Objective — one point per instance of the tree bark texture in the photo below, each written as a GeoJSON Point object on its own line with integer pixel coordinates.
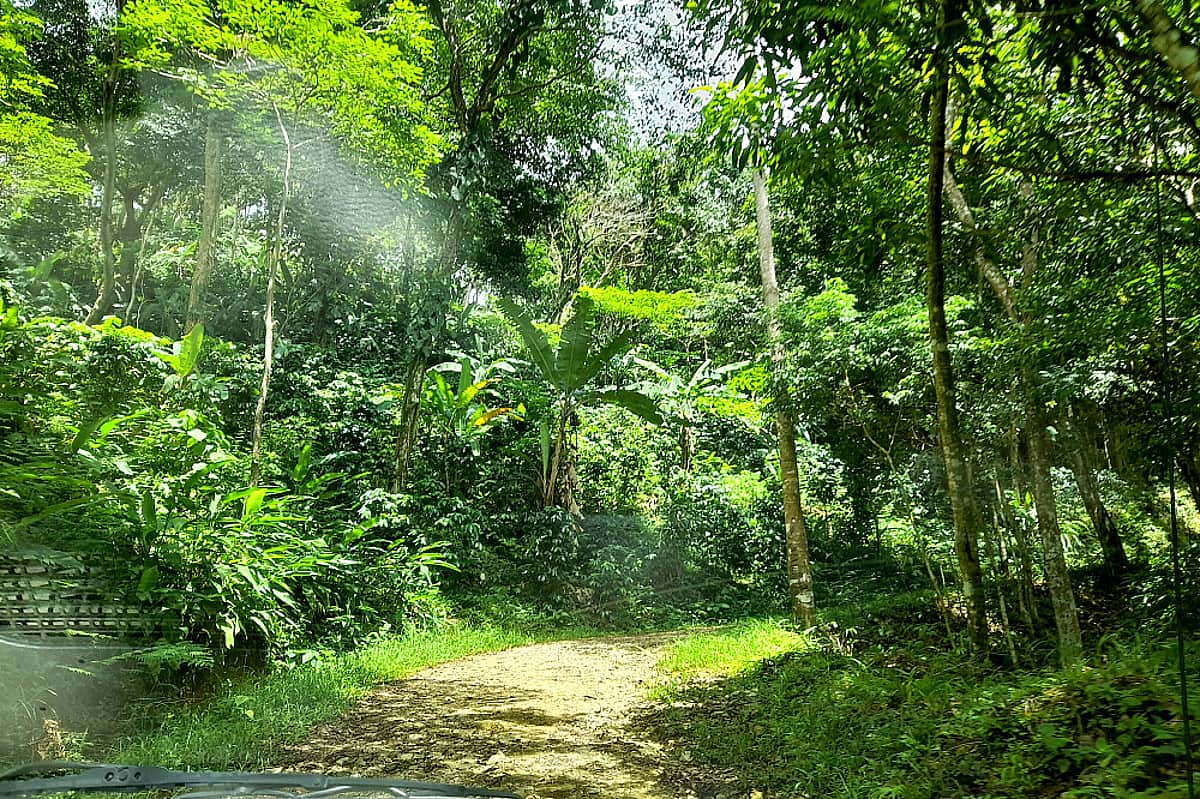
{"type": "Point", "coordinates": [209, 221]}
{"type": "Point", "coordinates": [414, 383]}
{"type": "Point", "coordinates": [410, 411]}
{"type": "Point", "coordinates": [800, 585]}
{"type": "Point", "coordinates": [962, 499]}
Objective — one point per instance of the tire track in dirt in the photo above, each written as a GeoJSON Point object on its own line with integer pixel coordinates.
{"type": "Point", "coordinates": [549, 721]}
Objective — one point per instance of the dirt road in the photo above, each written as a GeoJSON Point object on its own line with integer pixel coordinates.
{"type": "Point", "coordinates": [547, 720]}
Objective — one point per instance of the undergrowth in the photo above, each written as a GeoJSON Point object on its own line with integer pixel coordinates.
{"type": "Point", "coordinates": [890, 711]}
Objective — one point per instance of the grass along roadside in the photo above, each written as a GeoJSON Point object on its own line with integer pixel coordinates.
{"type": "Point", "coordinates": [724, 652]}
{"type": "Point", "coordinates": [898, 715]}
{"type": "Point", "coordinates": [245, 724]}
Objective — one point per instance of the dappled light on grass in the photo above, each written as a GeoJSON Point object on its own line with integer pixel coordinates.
{"type": "Point", "coordinates": [902, 719]}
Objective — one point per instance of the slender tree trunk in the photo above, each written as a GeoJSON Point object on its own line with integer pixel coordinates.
{"type": "Point", "coordinates": [1002, 577]}
{"type": "Point", "coordinates": [274, 258]}
{"type": "Point", "coordinates": [962, 498]}
{"type": "Point", "coordinates": [1066, 618]}
{"type": "Point", "coordinates": [1083, 465]}
{"type": "Point", "coordinates": [1054, 564]}
{"type": "Point", "coordinates": [108, 278]}
{"type": "Point", "coordinates": [410, 412]}
{"type": "Point", "coordinates": [129, 241]}
{"type": "Point", "coordinates": [209, 221]}
{"type": "Point", "coordinates": [556, 488]}
{"type": "Point", "coordinates": [414, 384]}
{"type": "Point", "coordinates": [800, 585]}
{"type": "Point", "coordinates": [685, 447]}
{"type": "Point", "coordinates": [136, 275]}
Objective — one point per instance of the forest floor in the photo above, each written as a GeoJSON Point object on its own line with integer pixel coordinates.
{"type": "Point", "coordinates": [545, 720]}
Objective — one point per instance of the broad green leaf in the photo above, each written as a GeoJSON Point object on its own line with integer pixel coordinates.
{"type": "Point", "coordinates": [84, 434]}
{"type": "Point", "coordinates": [465, 375]}
{"type": "Point", "coordinates": [148, 512]}
{"type": "Point", "coordinates": [572, 355]}
{"type": "Point", "coordinates": [189, 350]}
{"type": "Point", "coordinates": [148, 581]}
{"type": "Point", "coordinates": [253, 503]}
{"type": "Point", "coordinates": [617, 346]}
{"type": "Point", "coordinates": [302, 463]}
{"type": "Point", "coordinates": [633, 401]}
{"type": "Point", "coordinates": [535, 340]}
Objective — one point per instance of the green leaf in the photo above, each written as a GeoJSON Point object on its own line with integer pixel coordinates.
{"type": "Point", "coordinates": [301, 469]}
{"type": "Point", "coordinates": [252, 503]}
{"type": "Point", "coordinates": [535, 340]}
{"type": "Point", "coordinates": [148, 512]}
{"type": "Point", "coordinates": [572, 355]}
{"type": "Point", "coordinates": [619, 345]}
{"type": "Point", "coordinates": [147, 582]}
{"type": "Point", "coordinates": [633, 401]}
{"type": "Point", "coordinates": [189, 350]}
{"type": "Point", "coordinates": [84, 434]}
{"type": "Point", "coordinates": [465, 375]}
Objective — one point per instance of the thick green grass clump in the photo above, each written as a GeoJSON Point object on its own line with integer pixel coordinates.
{"type": "Point", "coordinates": [729, 650]}
{"type": "Point", "coordinates": [247, 723]}
{"type": "Point", "coordinates": [913, 720]}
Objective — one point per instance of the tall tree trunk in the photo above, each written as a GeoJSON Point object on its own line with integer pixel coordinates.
{"type": "Point", "coordinates": [129, 239]}
{"type": "Point", "coordinates": [209, 221]}
{"type": "Point", "coordinates": [800, 585]}
{"type": "Point", "coordinates": [1083, 465]}
{"type": "Point", "coordinates": [958, 479]}
{"type": "Point", "coordinates": [1171, 42]}
{"type": "Point", "coordinates": [138, 270]}
{"type": "Point", "coordinates": [108, 278]}
{"type": "Point", "coordinates": [1054, 564]}
{"type": "Point", "coordinates": [557, 489]}
{"type": "Point", "coordinates": [274, 258]}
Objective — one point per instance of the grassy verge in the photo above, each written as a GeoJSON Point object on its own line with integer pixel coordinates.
{"type": "Point", "coordinates": [724, 652]}
{"type": "Point", "coordinates": [901, 716]}
{"type": "Point", "coordinates": [245, 725]}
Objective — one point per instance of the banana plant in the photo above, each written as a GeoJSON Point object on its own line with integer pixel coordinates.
{"type": "Point", "coordinates": [570, 371]}
{"type": "Point", "coordinates": [684, 399]}
{"type": "Point", "coordinates": [459, 410]}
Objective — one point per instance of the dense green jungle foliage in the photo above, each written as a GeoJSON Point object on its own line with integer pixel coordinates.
{"type": "Point", "coordinates": [329, 319]}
